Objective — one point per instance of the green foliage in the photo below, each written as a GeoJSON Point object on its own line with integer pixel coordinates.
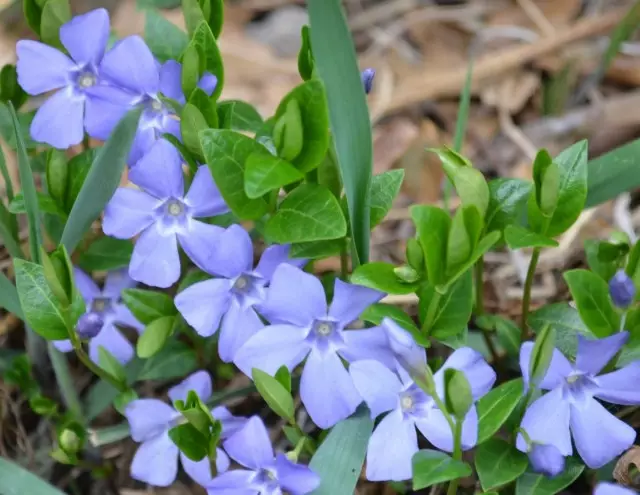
{"type": "Point", "coordinates": [567, 323]}
{"type": "Point", "coordinates": [275, 394]}
{"type": "Point", "coordinates": [166, 40]}
{"type": "Point", "coordinates": [432, 225]}
{"type": "Point", "coordinates": [19, 480]}
{"type": "Point", "coordinates": [155, 336]}
{"type": "Point", "coordinates": [453, 310]}
{"type": "Point", "coordinates": [105, 254]}
{"type": "Point", "coordinates": [498, 463]}
{"type": "Point", "coordinates": [431, 467]}
{"type": "Point", "coordinates": [148, 306]}
{"type": "Point", "coordinates": [382, 276]}
{"type": "Point", "coordinates": [457, 393]}
{"type": "Point", "coordinates": [541, 354]}
{"type": "Point", "coordinates": [305, 55]}
{"type": "Point", "coordinates": [518, 237]}
{"type": "Point", "coordinates": [10, 90]}
{"type": "Point", "coordinates": [205, 42]}
{"type": "Point", "coordinates": [111, 365]}
{"type": "Point", "coordinates": [54, 14]}
{"type": "Point", "coordinates": [238, 116]}
{"type": "Point", "coordinates": [539, 484]}
{"type": "Point", "coordinates": [495, 408]}
{"type": "Point", "coordinates": [191, 123]}
{"type": "Point", "coordinates": [591, 295]}
{"type": "Point", "coordinates": [175, 360]}
{"type": "Point", "coordinates": [264, 173]}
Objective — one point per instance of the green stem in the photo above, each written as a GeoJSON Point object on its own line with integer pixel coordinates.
{"type": "Point", "coordinates": [479, 269]}
{"type": "Point", "coordinates": [65, 382]}
{"type": "Point", "coordinates": [457, 455]}
{"type": "Point", "coordinates": [443, 409]}
{"type": "Point", "coordinates": [526, 300]}
{"type": "Point", "coordinates": [432, 309]}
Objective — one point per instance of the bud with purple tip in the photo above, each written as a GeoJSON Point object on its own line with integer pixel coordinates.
{"type": "Point", "coordinates": [89, 325]}
{"type": "Point", "coordinates": [622, 289]}
{"type": "Point", "coordinates": [367, 76]}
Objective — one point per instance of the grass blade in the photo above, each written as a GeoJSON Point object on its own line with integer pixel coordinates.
{"type": "Point", "coordinates": [9, 297]}
{"type": "Point", "coordinates": [337, 66]}
{"type": "Point", "coordinates": [101, 182]}
{"type": "Point", "coordinates": [18, 481]}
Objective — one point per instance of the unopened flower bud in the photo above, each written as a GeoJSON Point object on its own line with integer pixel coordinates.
{"type": "Point", "coordinates": [69, 441]}
{"type": "Point", "coordinates": [367, 76]}
{"type": "Point", "coordinates": [89, 325]}
{"type": "Point", "coordinates": [622, 289]}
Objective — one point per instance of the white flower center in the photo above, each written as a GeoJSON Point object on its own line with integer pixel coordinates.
{"type": "Point", "coordinates": [241, 283]}
{"type": "Point", "coordinates": [175, 208]}
{"type": "Point", "coordinates": [406, 402]}
{"type": "Point", "coordinates": [100, 304]}
{"type": "Point", "coordinates": [86, 80]}
{"type": "Point", "coordinates": [156, 105]}
{"type": "Point", "coordinates": [324, 329]}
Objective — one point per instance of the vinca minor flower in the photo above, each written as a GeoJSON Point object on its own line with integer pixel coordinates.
{"type": "Point", "coordinates": [606, 488]}
{"type": "Point", "coordinates": [164, 216]}
{"type": "Point", "coordinates": [570, 407]}
{"type": "Point", "coordinates": [303, 327]}
{"type": "Point", "coordinates": [156, 460]}
{"type": "Point", "coordinates": [266, 474]}
{"type": "Point", "coordinates": [104, 311]}
{"type": "Point", "coordinates": [81, 101]}
{"type": "Point", "coordinates": [232, 296]}
{"type": "Point", "coordinates": [395, 441]}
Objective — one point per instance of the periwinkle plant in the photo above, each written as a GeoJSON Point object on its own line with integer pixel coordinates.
{"type": "Point", "coordinates": [223, 221]}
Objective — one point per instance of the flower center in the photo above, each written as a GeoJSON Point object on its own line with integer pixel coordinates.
{"type": "Point", "coordinates": [86, 80]}
{"type": "Point", "coordinates": [572, 379]}
{"type": "Point", "coordinates": [406, 402]}
{"type": "Point", "coordinates": [156, 105]}
{"type": "Point", "coordinates": [175, 208]}
{"type": "Point", "coordinates": [241, 283]}
{"type": "Point", "coordinates": [100, 304]}
{"type": "Point", "coordinates": [323, 328]}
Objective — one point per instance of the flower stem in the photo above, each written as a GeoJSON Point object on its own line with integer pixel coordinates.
{"type": "Point", "coordinates": [457, 455]}
{"type": "Point", "coordinates": [479, 268]}
{"type": "Point", "coordinates": [65, 382]}
{"type": "Point", "coordinates": [432, 309]}
{"type": "Point", "coordinates": [526, 299]}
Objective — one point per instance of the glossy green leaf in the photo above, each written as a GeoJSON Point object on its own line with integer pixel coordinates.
{"type": "Point", "coordinates": [541, 354]}
{"type": "Point", "coordinates": [79, 167]}
{"type": "Point", "coordinates": [10, 90]}
{"type": "Point", "coordinates": [507, 200]}
{"type": "Point", "coordinates": [288, 134]}
{"type": "Point", "coordinates": [238, 115]}
{"type": "Point", "coordinates": [457, 393]}
{"type": "Point", "coordinates": [54, 14]}
{"type": "Point", "coordinates": [264, 172]}
{"type": "Point", "coordinates": [305, 55]}
{"type": "Point", "coordinates": [193, 15]}
{"type": "Point", "coordinates": [277, 397]}
{"type": "Point", "coordinates": [613, 173]}
{"type": "Point", "coordinates": [148, 306]}
{"type": "Point", "coordinates": [317, 249]}
{"type": "Point", "coordinates": [190, 441]}
{"type": "Point", "coordinates": [454, 307]}
{"type": "Point", "coordinates": [337, 66]}
{"type": "Point", "coordinates": [18, 481]}
{"type": "Point", "coordinates": [216, 17]}
{"type": "Point", "coordinates": [459, 244]}
{"type": "Point", "coordinates": [32, 14]}
{"type": "Point", "coordinates": [155, 336]}
{"type": "Point", "coordinates": [207, 107]}
{"type": "Point", "coordinates": [431, 467]}
{"type": "Point", "coordinates": [226, 153]}
{"type": "Point", "coordinates": [106, 254]}
{"type": "Point", "coordinates": [309, 213]}
{"type": "Point", "coordinates": [546, 177]}
{"type": "Point", "coordinates": [539, 484]}
{"type": "Point", "coordinates": [175, 360]}
{"type": "Point", "coordinates": [191, 123]}
{"type": "Point", "coordinates": [283, 375]}
{"type": "Point", "coordinates": [495, 407]}
{"type": "Point", "coordinates": [384, 189]}
{"type": "Point", "coordinates": [591, 295]}
{"type": "Point", "coordinates": [209, 52]}
{"type": "Point", "coordinates": [485, 244]}
{"type": "Point", "coordinates": [165, 40]}
{"type": "Point", "coordinates": [605, 267]}
{"type": "Point", "coordinates": [499, 463]}
{"type": "Point", "coordinates": [339, 459]}
{"type": "Point", "coordinates": [567, 323]}
{"type": "Point", "coordinates": [123, 399]}
{"type": "Point", "coordinates": [101, 182]}
{"type": "Point", "coordinates": [518, 237]}
{"type": "Point", "coordinates": [190, 74]}
{"type": "Point", "coordinates": [432, 225]}
{"type": "Point", "coordinates": [381, 276]}
{"type": "Point", "coordinates": [111, 365]}
{"type": "Point", "coordinates": [46, 204]}
{"type": "Point", "coordinates": [378, 311]}
{"type": "Point", "coordinates": [9, 299]}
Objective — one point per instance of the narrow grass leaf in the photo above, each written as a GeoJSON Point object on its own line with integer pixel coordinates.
{"type": "Point", "coordinates": [17, 481]}
{"type": "Point", "coordinates": [9, 297]}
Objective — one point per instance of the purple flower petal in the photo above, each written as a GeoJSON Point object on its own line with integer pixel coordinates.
{"type": "Point", "coordinates": [101, 115]}
{"type": "Point", "coordinates": [203, 304]}
{"type": "Point", "coordinates": [620, 386]}
{"type": "Point", "coordinates": [204, 197]}
{"type": "Point", "coordinates": [42, 68]}
{"type": "Point", "coordinates": [113, 341]}
{"type": "Point", "coordinates": [594, 354]}
{"type": "Point", "coordinates": [198, 471]}
{"type": "Point", "coordinates": [251, 445]}
{"type": "Point", "coordinates": [292, 284]}
{"type": "Point", "coordinates": [605, 488]}
{"type": "Point", "coordinates": [59, 122]}
{"type": "Point", "coordinates": [599, 436]}
{"type": "Point", "coordinates": [199, 382]}
{"type": "Point", "coordinates": [546, 459]}
{"type": "Point", "coordinates": [128, 213]}
{"type": "Point", "coordinates": [142, 142]}
{"type": "Point", "coordinates": [63, 345]}
{"type": "Point", "coordinates": [350, 300]}
{"type": "Point", "coordinates": [377, 385]}
{"type": "Point", "coordinates": [236, 482]}
{"type": "Point", "coordinates": [85, 36]}
{"type": "Point", "coordinates": [409, 355]}
{"type": "Point", "coordinates": [199, 241]}
{"type": "Point", "coordinates": [295, 479]}
{"type": "Point", "coordinates": [208, 83]}
{"type": "Point", "coordinates": [159, 172]}
{"type": "Point", "coordinates": [272, 347]}
{"type": "Point", "coordinates": [148, 418]}
{"type": "Point", "coordinates": [233, 254]}
{"type": "Point", "coordinates": [230, 424]}
{"type": "Point", "coordinates": [86, 286]}
{"type": "Point", "coordinates": [116, 282]}
{"type": "Point", "coordinates": [131, 65]}
{"type": "Point", "coordinates": [436, 429]}
{"type": "Point", "coordinates": [546, 421]}
{"type": "Point", "coordinates": [558, 370]}
{"type": "Point", "coordinates": [480, 375]}
{"type": "Point", "coordinates": [273, 257]}
{"type": "Point", "coordinates": [124, 317]}
{"type": "Point", "coordinates": [238, 326]}
{"type": "Point", "coordinates": [155, 260]}
{"type": "Point", "coordinates": [156, 461]}
{"type": "Point", "coordinates": [371, 343]}
{"type": "Point", "coordinates": [327, 389]}
{"type": "Point", "coordinates": [391, 448]}
{"type": "Point", "coordinates": [171, 80]}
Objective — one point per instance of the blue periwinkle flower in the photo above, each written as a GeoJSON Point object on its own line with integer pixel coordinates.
{"type": "Point", "coordinates": [546, 459]}
{"type": "Point", "coordinates": [156, 460]}
{"type": "Point", "coordinates": [622, 289]}
{"type": "Point", "coordinates": [266, 473]}
{"type": "Point", "coordinates": [570, 407]}
{"type": "Point", "coordinates": [367, 76]}
{"type": "Point", "coordinates": [606, 488]}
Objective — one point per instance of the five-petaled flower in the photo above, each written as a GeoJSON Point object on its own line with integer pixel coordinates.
{"type": "Point", "coordinates": [228, 301]}
{"type": "Point", "coordinates": [570, 407]}
{"type": "Point", "coordinates": [163, 215]}
{"type": "Point", "coordinates": [266, 474]}
{"type": "Point", "coordinates": [156, 460]}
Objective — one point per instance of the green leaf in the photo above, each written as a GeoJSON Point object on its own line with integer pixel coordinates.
{"type": "Point", "coordinates": [189, 440]}
{"type": "Point", "coordinates": [312, 105]}
{"type": "Point", "coordinates": [106, 254]}
{"type": "Point", "coordinates": [207, 107]}
{"type": "Point", "coordinates": [155, 336]}
{"type": "Point", "coordinates": [209, 52]}
{"type": "Point", "coordinates": [148, 306]}
{"type": "Point", "coordinates": [46, 204]}
{"type": "Point", "coordinates": [431, 467]}
{"type": "Point", "coordinates": [239, 116]}
{"type": "Point", "coordinates": [277, 397]}
{"type": "Point", "coordinates": [496, 407]}
{"type": "Point", "coordinates": [264, 172]}
{"type": "Point", "coordinates": [17, 480]}
{"type": "Point", "coordinates": [457, 393]}
{"type": "Point", "coordinates": [541, 354]}
{"type": "Point", "coordinates": [24, 124]}
{"type": "Point", "coordinates": [165, 40]}
{"type": "Point", "coordinates": [459, 244]}
{"type": "Point", "coordinates": [518, 237]}
{"type": "Point", "coordinates": [216, 17]}
{"type": "Point", "coordinates": [8, 232]}
{"type": "Point", "coordinates": [9, 297]}
{"type": "Point", "coordinates": [191, 123]}
{"type": "Point", "coordinates": [454, 307]}
{"type": "Point", "coordinates": [566, 321]}
{"type": "Point", "coordinates": [54, 14]}
{"type": "Point", "coordinates": [498, 463]}
{"type": "Point", "coordinates": [318, 249]}
{"type": "Point", "coordinates": [538, 484]}
{"type": "Point", "coordinates": [384, 189]}
{"type": "Point", "coordinates": [508, 332]}
{"type": "Point", "coordinates": [305, 55]}
{"type": "Point", "coordinates": [43, 312]}
{"type": "Point", "coordinates": [339, 459]}
{"type": "Point", "coordinates": [591, 295]}
{"type": "Point", "coordinates": [337, 66]}
{"type": "Point", "coordinates": [483, 246]}
{"type": "Point", "coordinates": [606, 268]}
{"type": "Point", "coordinates": [33, 14]}
{"type": "Point", "coordinates": [111, 365]}
{"type": "Point", "coordinates": [309, 213]}
{"type": "Point", "coordinates": [507, 199]}
{"type": "Point", "coordinates": [376, 312]}
{"type": "Point", "coordinates": [123, 399]}
{"type": "Point", "coordinates": [283, 375]}
{"type": "Point", "coordinates": [190, 74]}
{"type": "Point", "coordinates": [193, 15]}
{"type": "Point", "coordinates": [226, 153]}
{"type": "Point", "coordinates": [613, 173]}
{"type": "Point", "coordinates": [175, 360]}
{"type": "Point", "coordinates": [288, 131]}
{"type": "Point", "coordinates": [101, 182]}
{"type": "Point", "coordinates": [546, 177]}
{"type": "Point", "coordinates": [432, 225]}
{"type": "Point", "coordinates": [79, 167]}
{"type": "Point", "coordinates": [381, 276]}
